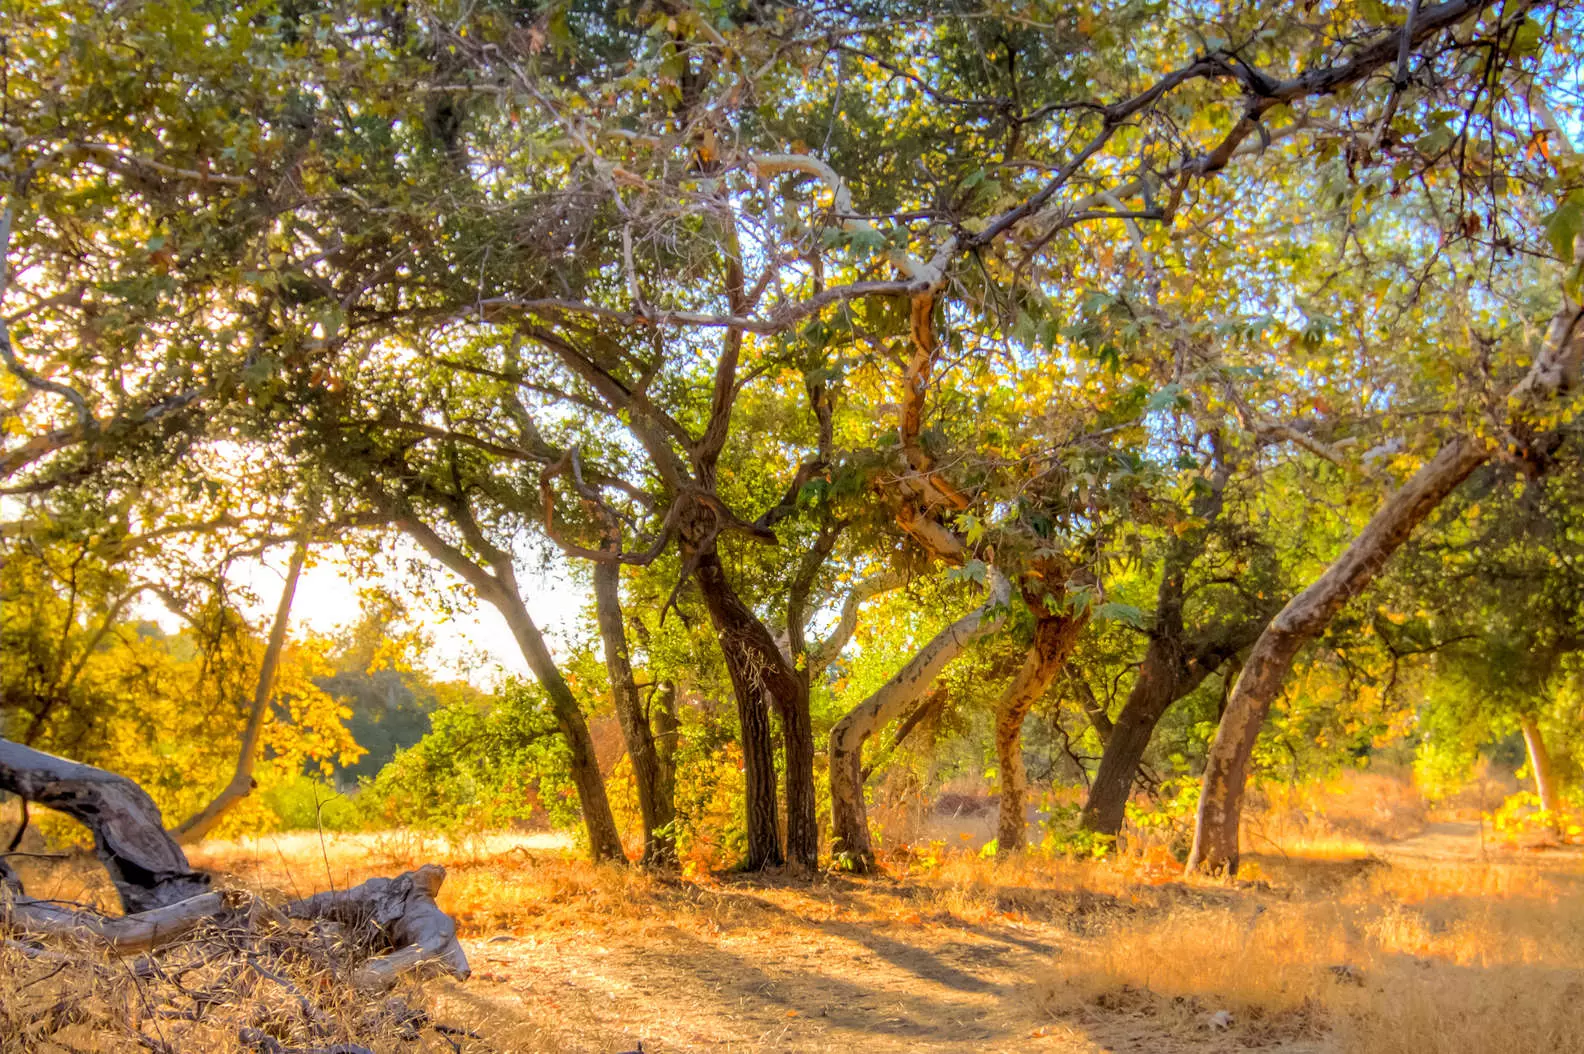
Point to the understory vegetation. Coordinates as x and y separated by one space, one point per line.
1112 468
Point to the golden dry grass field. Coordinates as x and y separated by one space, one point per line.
1425 945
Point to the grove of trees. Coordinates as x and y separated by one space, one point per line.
1200 378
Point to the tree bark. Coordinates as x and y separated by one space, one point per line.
657 807
500 590
197 826
146 866
1054 637
850 841
753 661
1153 694
1540 764
1215 847
600 824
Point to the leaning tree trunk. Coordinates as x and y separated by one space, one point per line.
1054 637
198 825
500 590
146 866
1540 764
654 801
850 842
1215 847
604 840
749 663
1153 694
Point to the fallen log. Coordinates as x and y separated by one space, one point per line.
403 912
397 917
121 933
146 866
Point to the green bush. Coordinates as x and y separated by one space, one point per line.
306 804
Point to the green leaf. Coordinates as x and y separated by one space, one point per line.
1126 614
1565 224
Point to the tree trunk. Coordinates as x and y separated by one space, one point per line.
146 866
604 840
657 807
1215 847
1540 763
1153 693
850 842
1054 637
752 661
197 826
500 590
667 730
797 741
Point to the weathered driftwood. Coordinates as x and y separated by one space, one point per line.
404 913
124 933
148 869
398 915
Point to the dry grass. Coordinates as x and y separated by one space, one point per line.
1320 947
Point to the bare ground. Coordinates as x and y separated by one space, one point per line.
571 958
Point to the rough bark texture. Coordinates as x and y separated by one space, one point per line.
1540 764
654 801
1154 691
1054 637
146 866
850 841
1215 847
198 825
752 661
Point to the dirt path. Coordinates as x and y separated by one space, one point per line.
827 986
1466 841
845 967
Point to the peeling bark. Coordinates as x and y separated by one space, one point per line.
1054 637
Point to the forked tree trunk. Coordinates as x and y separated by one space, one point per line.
198 825
1054 637
146 866
747 648
1540 765
654 799
850 842
1215 847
